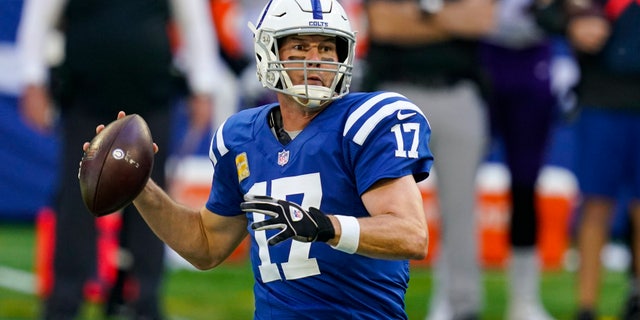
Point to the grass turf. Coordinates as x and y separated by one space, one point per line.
226 292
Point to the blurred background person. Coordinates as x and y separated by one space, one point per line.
604 35
252 93
518 59
427 51
237 51
28 155
116 54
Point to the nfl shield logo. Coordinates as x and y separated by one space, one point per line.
283 157
296 215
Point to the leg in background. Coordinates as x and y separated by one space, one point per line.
75 245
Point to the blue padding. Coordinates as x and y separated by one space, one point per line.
561 147
179 146
28 165
10 11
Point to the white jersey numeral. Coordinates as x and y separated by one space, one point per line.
299 264
401 152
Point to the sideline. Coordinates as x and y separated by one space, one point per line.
17 280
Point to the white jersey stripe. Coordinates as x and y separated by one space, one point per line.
362 109
384 112
222 149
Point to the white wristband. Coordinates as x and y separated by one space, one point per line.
350 234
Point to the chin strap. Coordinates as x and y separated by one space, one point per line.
315 96
275 122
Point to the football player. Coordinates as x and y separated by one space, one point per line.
323 180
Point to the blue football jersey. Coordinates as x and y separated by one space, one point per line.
354 142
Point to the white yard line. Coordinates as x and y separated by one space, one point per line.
17 280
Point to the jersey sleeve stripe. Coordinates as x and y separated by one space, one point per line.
389 109
220 147
362 109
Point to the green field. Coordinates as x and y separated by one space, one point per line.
225 292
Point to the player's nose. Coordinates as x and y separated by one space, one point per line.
313 54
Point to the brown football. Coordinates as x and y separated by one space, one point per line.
117 165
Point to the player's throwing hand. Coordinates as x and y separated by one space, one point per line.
293 221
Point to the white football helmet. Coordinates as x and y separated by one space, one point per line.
281 18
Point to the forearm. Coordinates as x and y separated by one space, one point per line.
402 24
389 237
178 226
397 228
406 23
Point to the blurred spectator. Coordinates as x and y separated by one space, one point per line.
236 47
116 55
427 52
28 156
253 93
518 59
604 35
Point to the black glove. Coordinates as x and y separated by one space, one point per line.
293 221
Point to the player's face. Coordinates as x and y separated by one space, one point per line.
310 48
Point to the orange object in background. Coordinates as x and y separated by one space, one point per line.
430 204
556 192
493 223
554 214
107 242
108 245
553 239
225 15
493 214
555 198
45 224
355 10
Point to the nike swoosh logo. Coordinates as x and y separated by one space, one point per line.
402 116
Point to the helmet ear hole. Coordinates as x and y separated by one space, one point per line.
342 47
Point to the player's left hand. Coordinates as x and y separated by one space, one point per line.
293 221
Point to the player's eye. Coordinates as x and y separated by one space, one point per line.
327 48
